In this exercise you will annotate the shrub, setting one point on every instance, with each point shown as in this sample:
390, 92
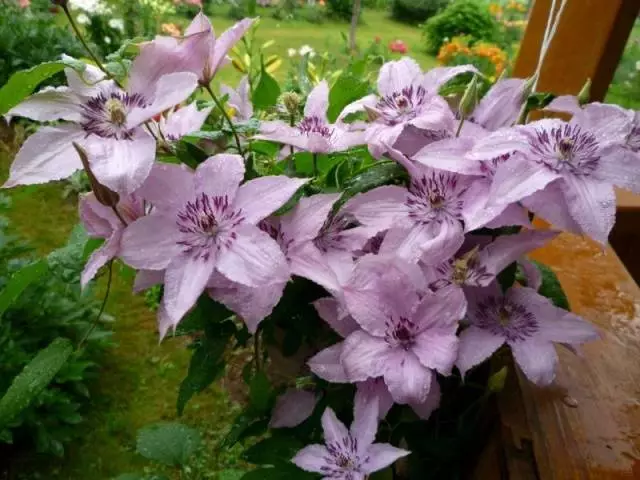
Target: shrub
51, 306
340, 9
29, 38
461, 17
416, 11
490, 59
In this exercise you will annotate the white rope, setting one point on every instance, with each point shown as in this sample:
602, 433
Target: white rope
548, 38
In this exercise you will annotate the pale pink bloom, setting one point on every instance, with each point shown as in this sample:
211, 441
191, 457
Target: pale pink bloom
106, 121
292, 408
180, 122
205, 222
239, 99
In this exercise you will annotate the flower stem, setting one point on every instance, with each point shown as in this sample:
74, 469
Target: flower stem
93, 56
115, 210
257, 353
460, 127
292, 162
101, 311
226, 116
315, 164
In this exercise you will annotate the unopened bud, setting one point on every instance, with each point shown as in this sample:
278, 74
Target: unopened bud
469, 98
584, 96
528, 86
104, 195
291, 102
372, 115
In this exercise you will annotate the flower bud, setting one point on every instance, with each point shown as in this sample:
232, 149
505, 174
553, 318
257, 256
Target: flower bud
104, 195
584, 96
469, 98
291, 102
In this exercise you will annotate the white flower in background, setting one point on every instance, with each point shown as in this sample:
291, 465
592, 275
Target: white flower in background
89, 6
83, 19
638, 65
307, 50
117, 24
107, 40
292, 52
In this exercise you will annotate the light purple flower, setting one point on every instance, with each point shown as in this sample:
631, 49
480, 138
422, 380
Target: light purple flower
199, 52
349, 454
502, 104
583, 159
407, 97
240, 99
407, 335
205, 222
105, 120
102, 222
313, 133
526, 321
292, 408
180, 122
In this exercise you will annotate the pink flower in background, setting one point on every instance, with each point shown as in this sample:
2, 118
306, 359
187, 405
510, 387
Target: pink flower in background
526, 321
205, 222
349, 454
398, 46
313, 133
24, 3
105, 120
239, 99
180, 122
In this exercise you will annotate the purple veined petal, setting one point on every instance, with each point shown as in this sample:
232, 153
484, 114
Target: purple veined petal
220, 176
343, 139
49, 104
318, 101
100, 257
437, 348
150, 242
253, 259
122, 165
312, 458
379, 138
501, 106
171, 90
374, 390
426, 408
592, 205
397, 75
609, 123
416, 170
531, 273
46, 155
476, 296
538, 305
568, 329
444, 245
551, 205
89, 83
565, 103
223, 44
185, 121
408, 380
185, 279
164, 322
379, 207
308, 216
506, 249
365, 422
443, 309
330, 310
260, 197
146, 279
251, 304
513, 214
360, 105
620, 167
168, 186
364, 356
244, 107
477, 211
437, 117
438, 76
292, 408
518, 178
334, 429
326, 364
368, 308
94, 218
281, 132
381, 455
537, 360
476, 345
308, 262
199, 24
449, 155
499, 143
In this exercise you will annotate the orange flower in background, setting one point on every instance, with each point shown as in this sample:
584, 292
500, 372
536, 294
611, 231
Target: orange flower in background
171, 29
489, 58
398, 46
495, 10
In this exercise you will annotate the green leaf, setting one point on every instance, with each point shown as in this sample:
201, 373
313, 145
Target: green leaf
507, 277
280, 448
19, 281
247, 424
376, 175
260, 393
168, 443
206, 365
497, 379
34, 378
551, 287
266, 92
206, 313
91, 246
230, 474
23, 83
214, 135
347, 89
281, 472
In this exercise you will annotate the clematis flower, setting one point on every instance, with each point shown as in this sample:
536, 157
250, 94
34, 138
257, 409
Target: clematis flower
102, 222
180, 122
292, 408
106, 121
585, 156
407, 97
240, 99
527, 322
205, 222
502, 104
313, 133
198, 51
408, 334
349, 454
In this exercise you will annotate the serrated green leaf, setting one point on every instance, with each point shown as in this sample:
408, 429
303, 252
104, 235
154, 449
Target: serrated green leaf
347, 89
23, 83
34, 378
551, 287
168, 443
280, 448
266, 92
19, 281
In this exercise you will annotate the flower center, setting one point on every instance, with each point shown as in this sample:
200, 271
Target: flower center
566, 149
344, 455
401, 333
106, 114
116, 111
330, 236
502, 317
309, 125
435, 198
403, 105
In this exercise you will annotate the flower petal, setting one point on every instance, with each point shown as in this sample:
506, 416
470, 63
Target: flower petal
379, 207
374, 390
168, 186
408, 380
396, 75
426, 408
318, 101
437, 348
501, 106
369, 101
537, 359
100, 257
550, 204
262, 196
97, 219
449, 155
443, 309
620, 168
326, 364
220, 176
334, 429
518, 178
146, 279
292, 408
592, 205
253, 259
312, 458
49, 104
381, 455
185, 121
565, 103
150, 242
476, 345
308, 216
336, 316
502, 142
90, 82
223, 44
365, 422
438, 76
364, 356
568, 329
46, 155
308, 262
